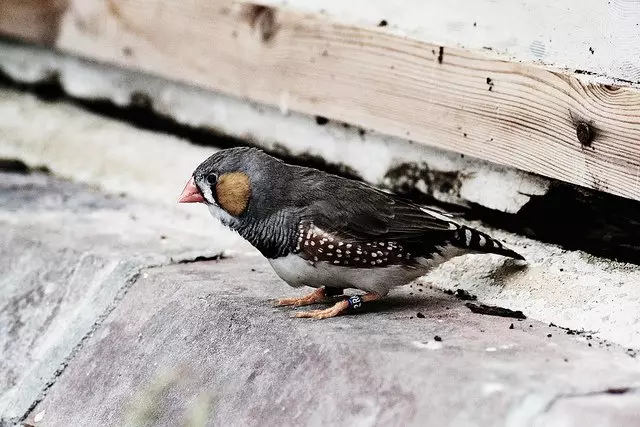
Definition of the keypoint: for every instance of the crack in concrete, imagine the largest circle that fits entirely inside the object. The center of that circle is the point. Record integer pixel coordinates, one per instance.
(608, 391)
(133, 272)
(534, 406)
(218, 257)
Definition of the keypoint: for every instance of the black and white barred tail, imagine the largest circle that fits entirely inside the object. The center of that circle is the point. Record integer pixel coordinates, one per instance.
(481, 242)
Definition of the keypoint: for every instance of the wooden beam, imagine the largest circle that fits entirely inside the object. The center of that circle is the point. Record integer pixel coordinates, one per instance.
(509, 113)
(602, 37)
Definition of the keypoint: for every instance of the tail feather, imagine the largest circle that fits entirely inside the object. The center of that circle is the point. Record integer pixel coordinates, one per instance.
(478, 241)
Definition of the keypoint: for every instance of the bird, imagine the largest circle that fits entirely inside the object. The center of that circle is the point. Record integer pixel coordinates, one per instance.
(328, 232)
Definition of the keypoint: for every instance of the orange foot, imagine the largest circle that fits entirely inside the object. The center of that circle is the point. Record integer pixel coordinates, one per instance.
(340, 307)
(315, 297)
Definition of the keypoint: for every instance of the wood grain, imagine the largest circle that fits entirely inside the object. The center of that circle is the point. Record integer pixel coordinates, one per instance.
(33, 20)
(509, 113)
(602, 37)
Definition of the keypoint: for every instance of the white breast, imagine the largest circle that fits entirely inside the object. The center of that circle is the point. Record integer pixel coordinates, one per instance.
(298, 272)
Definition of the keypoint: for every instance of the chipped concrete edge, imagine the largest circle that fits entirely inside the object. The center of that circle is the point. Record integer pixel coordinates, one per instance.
(126, 273)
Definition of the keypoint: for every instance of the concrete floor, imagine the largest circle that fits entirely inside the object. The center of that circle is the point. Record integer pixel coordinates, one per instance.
(104, 320)
(67, 255)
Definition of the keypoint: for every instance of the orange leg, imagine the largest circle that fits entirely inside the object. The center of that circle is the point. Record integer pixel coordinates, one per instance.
(340, 307)
(315, 297)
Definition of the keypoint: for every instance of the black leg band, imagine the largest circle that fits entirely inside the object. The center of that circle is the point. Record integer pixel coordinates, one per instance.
(355, 302)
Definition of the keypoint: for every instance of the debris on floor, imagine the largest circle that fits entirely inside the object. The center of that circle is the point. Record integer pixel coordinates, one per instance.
(491, 310)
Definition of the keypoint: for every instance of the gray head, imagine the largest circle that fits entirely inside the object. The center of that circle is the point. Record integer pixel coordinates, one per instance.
(255, 194)
(238, 181)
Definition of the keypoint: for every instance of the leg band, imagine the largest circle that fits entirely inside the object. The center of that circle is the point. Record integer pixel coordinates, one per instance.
(355, 302)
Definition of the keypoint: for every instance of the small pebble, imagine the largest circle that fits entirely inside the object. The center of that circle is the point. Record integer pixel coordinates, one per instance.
(420, 315)
(548, 335)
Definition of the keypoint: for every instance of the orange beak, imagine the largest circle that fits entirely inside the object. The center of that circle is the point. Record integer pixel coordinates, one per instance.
(191, 194)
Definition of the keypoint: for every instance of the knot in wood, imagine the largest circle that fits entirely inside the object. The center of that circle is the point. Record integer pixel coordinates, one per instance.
(262, 19)
(584, 133)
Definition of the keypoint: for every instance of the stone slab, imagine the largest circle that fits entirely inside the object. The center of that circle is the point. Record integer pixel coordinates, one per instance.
(200, 344)
(67, 254)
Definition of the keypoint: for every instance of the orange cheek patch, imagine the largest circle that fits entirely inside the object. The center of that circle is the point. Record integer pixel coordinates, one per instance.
(233, 191)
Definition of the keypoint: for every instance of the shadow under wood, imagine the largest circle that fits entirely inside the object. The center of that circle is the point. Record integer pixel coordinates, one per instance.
(18, 166)
(577, 219)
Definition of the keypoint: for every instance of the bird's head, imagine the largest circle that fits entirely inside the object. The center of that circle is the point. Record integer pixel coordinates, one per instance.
(232, 181)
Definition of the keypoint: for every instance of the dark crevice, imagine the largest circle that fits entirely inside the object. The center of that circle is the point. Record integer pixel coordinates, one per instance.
(201, 258)
(570, 216)
(492, 310)
(578, 219)
(18, 166)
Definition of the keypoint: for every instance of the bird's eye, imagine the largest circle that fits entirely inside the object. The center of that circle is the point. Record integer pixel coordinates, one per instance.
(212, 178)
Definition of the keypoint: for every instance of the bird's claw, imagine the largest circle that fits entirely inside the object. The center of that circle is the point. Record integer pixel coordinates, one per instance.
(292, 302)
(332, 311)
(283, 302)
(317, 296)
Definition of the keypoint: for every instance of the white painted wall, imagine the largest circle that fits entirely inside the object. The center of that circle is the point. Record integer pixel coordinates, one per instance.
(557, 33)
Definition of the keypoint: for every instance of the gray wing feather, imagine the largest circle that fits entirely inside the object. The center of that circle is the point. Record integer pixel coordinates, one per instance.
(361, 212)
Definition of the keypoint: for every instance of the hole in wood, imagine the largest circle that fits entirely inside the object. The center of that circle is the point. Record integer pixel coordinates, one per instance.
(584, 133)
(262, 19)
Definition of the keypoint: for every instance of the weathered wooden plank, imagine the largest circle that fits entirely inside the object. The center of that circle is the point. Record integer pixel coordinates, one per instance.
(591, 35)
(33, 20)
(602, 37)
(509, 113)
